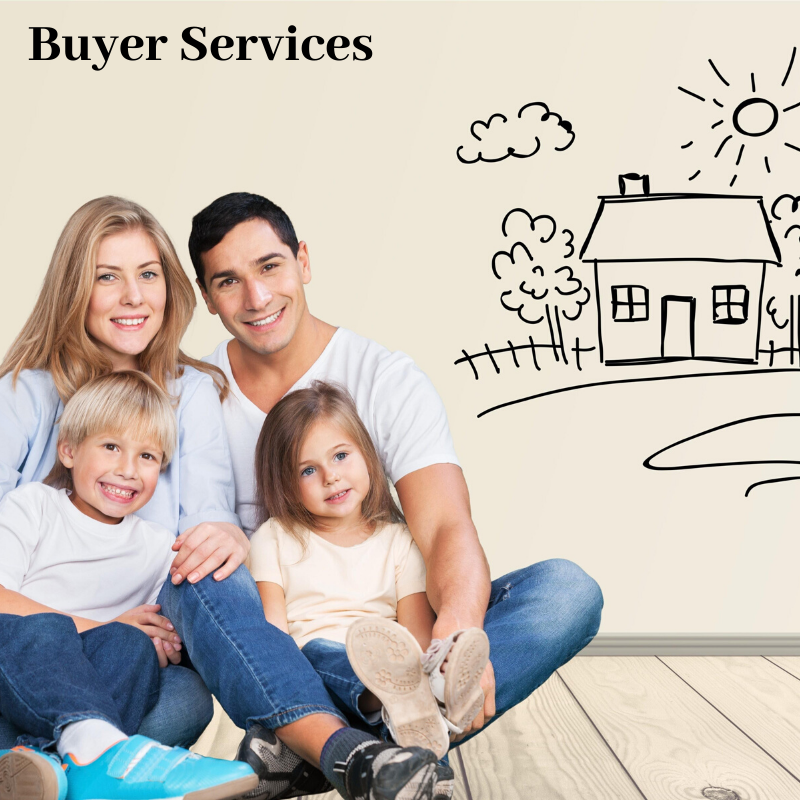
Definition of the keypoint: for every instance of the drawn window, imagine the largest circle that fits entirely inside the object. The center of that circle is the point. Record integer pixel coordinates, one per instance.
(629, 303)
(730, 304)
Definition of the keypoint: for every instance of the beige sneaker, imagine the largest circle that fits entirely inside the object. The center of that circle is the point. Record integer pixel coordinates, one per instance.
(388, 661)
(457, 689)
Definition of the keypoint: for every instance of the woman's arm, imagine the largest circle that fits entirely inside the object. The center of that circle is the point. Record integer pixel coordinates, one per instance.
(415, 613)
(274, 602)
(210, 538)
(28, 412)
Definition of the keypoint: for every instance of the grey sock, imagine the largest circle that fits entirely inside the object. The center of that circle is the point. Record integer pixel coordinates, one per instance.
(338, 751)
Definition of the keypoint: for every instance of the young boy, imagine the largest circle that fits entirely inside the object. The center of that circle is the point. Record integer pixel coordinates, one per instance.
(81, 640)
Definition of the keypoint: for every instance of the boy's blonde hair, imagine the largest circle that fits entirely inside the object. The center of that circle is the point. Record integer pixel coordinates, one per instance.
(127, 402)
(278, 456)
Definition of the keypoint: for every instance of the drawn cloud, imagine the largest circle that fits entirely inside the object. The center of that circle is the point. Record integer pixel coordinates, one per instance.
(534, 128)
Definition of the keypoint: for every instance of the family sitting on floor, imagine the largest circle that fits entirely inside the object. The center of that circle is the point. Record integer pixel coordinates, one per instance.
(173, 529)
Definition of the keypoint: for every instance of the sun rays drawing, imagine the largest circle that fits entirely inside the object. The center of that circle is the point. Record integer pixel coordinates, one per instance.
(748, 117)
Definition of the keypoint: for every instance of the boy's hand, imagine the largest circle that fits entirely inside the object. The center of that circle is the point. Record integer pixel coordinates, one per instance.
(166, 652)
(205, 547)
(158, 628)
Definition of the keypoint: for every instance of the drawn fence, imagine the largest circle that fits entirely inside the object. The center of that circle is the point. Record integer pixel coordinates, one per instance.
(793, 323)
(557, 350)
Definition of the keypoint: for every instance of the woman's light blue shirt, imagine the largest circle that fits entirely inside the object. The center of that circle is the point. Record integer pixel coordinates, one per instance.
(197, 485)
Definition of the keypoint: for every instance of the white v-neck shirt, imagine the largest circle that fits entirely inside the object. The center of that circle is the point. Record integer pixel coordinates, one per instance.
(396, 401)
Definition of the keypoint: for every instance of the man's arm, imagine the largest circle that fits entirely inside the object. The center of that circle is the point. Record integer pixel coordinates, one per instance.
(435, 503)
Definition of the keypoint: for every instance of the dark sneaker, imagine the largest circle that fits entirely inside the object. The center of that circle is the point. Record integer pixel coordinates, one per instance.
(445, 782)
(281, 772)
(381, 771)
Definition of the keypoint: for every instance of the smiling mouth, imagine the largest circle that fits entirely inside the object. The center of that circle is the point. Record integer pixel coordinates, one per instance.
(337, 497)
(129, 322)
(259, 323)
(118, 493)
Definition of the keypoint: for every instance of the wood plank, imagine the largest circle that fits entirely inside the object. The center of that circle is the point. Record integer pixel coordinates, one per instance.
(547, 749)
(789, 663)
(672, 742)
(755, 695)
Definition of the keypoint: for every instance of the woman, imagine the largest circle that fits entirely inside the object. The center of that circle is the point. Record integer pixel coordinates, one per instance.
(116, 297)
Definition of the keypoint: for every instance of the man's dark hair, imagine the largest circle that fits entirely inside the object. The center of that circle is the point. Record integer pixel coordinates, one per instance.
(214, 222)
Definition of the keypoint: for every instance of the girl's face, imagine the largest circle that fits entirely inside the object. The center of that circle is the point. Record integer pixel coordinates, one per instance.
(333, 476)
(126, 307)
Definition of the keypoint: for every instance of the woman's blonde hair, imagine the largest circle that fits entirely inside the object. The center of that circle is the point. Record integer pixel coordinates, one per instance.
(125, 402)
(278, 456)
(55, 337)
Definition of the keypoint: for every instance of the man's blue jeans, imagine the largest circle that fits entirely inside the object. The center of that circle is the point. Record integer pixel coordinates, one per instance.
(538, 618)
(50, 675)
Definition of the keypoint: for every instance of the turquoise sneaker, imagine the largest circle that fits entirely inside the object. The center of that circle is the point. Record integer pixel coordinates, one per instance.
(27, 773)
(141, 769)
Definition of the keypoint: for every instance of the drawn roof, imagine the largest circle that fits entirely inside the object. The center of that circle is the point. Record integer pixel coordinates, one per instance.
(672, 227)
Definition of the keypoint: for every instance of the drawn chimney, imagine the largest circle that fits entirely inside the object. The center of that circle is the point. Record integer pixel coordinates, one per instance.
(631, 183)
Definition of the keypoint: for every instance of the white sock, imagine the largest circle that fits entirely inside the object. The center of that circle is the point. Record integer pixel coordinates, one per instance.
(88, 739)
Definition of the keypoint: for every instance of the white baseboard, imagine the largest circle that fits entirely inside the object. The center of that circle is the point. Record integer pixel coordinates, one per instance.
(693, 644)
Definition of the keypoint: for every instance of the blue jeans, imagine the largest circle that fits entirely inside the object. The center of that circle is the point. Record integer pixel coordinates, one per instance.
(50, 675)
(538, 618)
(256, 671)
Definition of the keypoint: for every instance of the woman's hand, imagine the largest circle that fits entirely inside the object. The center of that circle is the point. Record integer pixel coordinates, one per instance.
(205, 547)
(158, 628)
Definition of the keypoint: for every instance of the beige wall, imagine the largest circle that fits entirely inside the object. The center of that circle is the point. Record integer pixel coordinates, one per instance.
(401, 235)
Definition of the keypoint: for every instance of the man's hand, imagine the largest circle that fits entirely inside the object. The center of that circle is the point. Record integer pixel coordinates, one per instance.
(488, 711)
(207, 546)
(158, 628)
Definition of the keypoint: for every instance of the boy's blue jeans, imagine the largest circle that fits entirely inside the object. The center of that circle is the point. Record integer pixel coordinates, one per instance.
(538, 618)
(51, 675)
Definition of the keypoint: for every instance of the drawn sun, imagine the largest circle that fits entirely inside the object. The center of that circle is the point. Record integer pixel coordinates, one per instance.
(751, 121)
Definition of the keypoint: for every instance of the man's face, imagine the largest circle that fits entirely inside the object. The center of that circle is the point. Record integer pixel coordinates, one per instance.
(255, 284)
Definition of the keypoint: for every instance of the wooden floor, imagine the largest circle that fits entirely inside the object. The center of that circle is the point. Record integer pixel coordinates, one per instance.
(677, 728)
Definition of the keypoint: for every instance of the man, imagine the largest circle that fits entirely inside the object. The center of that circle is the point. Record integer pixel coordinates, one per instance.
(251, 270)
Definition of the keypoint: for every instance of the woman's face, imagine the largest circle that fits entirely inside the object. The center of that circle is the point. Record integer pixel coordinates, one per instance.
(126, 307)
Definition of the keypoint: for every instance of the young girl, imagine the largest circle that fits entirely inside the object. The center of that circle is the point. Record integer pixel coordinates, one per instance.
(336, 566)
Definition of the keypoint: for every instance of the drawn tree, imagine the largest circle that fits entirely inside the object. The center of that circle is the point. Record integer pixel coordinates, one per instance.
(783, 286)
(537, 285)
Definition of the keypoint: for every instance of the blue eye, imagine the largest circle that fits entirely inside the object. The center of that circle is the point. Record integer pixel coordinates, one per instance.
(102, 278)
(149, 274)
(307, 471)
(340, 457)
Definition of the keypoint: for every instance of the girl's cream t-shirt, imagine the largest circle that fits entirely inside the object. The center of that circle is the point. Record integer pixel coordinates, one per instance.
(329, 586)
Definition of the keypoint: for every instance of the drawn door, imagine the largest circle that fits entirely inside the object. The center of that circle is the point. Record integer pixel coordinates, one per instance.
(677, 327)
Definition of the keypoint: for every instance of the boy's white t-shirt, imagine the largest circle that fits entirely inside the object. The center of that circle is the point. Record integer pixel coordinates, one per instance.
(329, 586)
(54, 554)
(395, 399)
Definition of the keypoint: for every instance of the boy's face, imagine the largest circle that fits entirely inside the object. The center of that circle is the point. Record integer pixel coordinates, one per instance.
(112, 475)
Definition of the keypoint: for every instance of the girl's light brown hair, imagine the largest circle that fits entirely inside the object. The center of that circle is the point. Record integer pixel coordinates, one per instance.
(125, 402)
(278, 457)
(55, 337)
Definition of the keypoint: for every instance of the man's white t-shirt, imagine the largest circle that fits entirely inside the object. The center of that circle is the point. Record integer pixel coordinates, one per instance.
(395, 399)
(328, 587)
(54, 554)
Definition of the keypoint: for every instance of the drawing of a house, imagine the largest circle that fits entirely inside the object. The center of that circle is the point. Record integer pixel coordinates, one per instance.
(678, 276)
